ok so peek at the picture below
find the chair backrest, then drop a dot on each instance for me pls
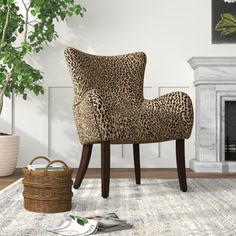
(119, 79)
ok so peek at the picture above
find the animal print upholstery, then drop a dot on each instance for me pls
(109, 103)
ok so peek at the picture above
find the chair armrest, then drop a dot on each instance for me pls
(178, 104)
(92, 118)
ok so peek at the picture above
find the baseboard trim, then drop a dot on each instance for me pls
(159, 173)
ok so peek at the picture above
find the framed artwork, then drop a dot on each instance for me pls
(223, 21)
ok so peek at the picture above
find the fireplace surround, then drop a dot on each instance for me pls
(215, 84)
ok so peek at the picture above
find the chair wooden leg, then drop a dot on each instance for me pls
(84, 162)
(137, 163)
(180, 157)
(105, 168)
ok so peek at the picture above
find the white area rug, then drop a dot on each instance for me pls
(156, 207)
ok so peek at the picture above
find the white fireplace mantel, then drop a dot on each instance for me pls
(215, 83)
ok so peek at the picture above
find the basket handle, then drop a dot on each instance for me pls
(39, 157)
(66, 168)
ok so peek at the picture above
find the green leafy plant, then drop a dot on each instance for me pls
(23, 31)
(227, 25)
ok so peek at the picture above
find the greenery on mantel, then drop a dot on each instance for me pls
(25, 28)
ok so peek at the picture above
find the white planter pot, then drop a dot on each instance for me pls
(9, 150)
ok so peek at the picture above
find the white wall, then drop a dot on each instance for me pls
(169, 32)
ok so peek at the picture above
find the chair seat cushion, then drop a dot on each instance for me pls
(145, 126)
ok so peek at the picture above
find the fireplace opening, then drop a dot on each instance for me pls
(230, 130)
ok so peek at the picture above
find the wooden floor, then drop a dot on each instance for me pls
(128, 173)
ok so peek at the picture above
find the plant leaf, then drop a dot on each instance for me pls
(227, 25)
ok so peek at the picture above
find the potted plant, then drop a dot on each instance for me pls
(25, 28)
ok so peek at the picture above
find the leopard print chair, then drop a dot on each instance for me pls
(109, 108)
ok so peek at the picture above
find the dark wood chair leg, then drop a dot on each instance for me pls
(137, 163)
(180, 157)
(105, 168)
(84, 162)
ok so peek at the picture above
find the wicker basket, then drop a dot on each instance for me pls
(47, 191)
